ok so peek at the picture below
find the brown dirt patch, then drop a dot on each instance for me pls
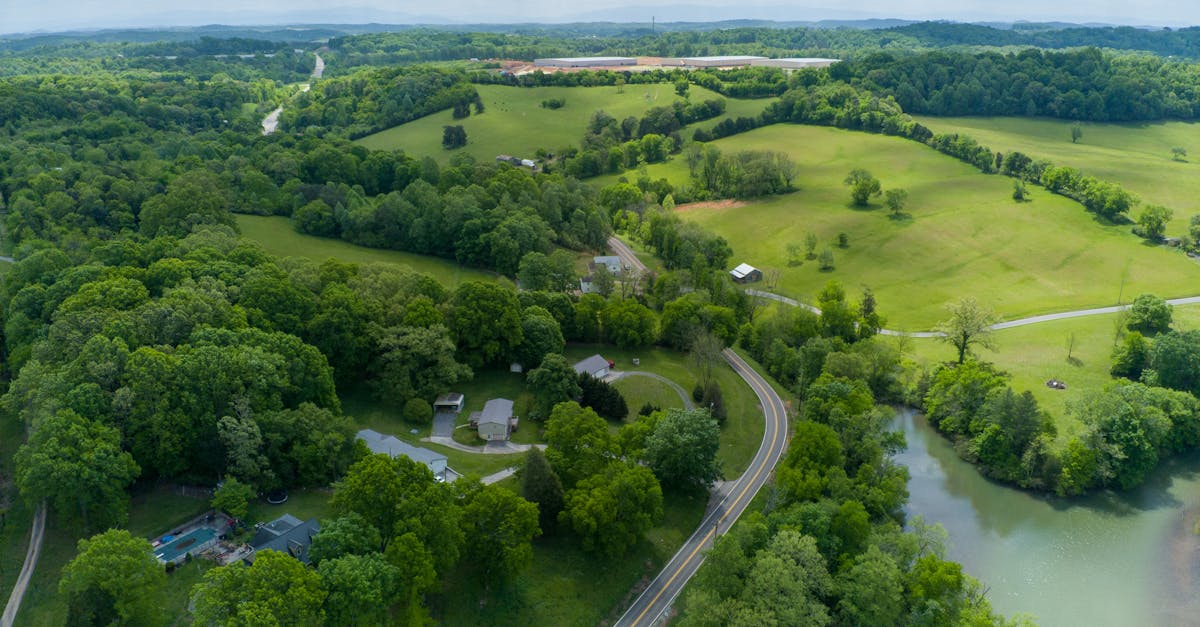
(710, 204)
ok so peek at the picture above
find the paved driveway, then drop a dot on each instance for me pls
(443, 424)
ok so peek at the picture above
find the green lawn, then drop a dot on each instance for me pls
(279, 238)
(566, 586)
(1138, 156)
(641, 390)
(514, 123)
(1036, 353)
(964, 235)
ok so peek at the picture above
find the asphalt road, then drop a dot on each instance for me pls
(658, 597)
(622, 250)
(31, 559)
(1020, 322)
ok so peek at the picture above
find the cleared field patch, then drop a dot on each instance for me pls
(639, 391)
(1138, 156)
(961, 235)
(514, 122)
(278, 237)
(1036, 353)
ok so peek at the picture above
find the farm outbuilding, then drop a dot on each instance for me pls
(795, 63)
(391, 446)
(745, 273)
(584, 61)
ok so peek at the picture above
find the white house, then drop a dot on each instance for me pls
(595, 365)
(612, 262)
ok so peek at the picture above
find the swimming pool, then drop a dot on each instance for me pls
(191, 542)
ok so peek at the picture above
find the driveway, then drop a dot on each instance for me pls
(443, 424)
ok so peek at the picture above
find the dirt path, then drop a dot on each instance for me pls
(710, 204)
(31, 559)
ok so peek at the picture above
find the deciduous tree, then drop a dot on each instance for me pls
(969, 325)
(682, 450)
(114, 579)
(611, 510)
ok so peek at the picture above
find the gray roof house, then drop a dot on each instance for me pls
(595, 365)
(496, 421)
(286, 534)
(612, 262)
(390, 445)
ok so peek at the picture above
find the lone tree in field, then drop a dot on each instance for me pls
(896, 199)
(862, 186)
(454, 137)
(1019, 191)
(1178, 154)
(969, 325)
(1076, 133)
(1152, 223)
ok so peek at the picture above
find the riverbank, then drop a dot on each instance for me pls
(1104, 560)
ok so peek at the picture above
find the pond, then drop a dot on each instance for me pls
(1107, 559)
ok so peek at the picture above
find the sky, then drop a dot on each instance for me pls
(48, 15)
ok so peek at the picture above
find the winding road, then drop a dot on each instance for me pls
(658, 597)
(271, 122)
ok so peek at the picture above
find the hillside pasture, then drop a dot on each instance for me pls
(278, 237)
(961, 233)
(1137, 156)
(514, 122)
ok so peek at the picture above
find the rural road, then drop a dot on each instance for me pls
(271, 122)
(31, 559)
(1020, 322)
(622, 250)
(661, 593)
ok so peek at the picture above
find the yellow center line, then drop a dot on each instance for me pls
(774, 438)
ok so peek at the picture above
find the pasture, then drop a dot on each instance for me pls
(514, 122)
(961, 233)
(1138, 156)
(278, 237)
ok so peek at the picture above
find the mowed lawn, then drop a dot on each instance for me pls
(278, 237)
(514, 122)
(1035, 353)
(963, 235)
(1138, 156)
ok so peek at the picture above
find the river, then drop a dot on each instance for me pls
(1103, 560)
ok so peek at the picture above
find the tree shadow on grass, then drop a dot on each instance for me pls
(903, 218)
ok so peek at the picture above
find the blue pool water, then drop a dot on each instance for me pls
(190, 541)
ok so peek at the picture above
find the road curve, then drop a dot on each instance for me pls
(1020, 322)
(658, 597)
(31, 558)
(271, 122)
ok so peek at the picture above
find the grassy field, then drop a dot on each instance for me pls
(514, 123)
(1138, 156)
(641, 390)
(279, 238)
(1036, 353)
(963, 235)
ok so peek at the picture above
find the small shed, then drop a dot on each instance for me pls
(390, 445)
(450, 401)
(496, 422)
(745, 273)
(612, 262)
(595, 365)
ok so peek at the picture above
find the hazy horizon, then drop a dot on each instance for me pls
(57, 15)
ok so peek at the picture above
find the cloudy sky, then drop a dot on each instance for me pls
(31, 15)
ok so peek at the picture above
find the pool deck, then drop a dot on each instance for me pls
(196, 536)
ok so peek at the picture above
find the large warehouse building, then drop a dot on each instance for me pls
(585, 62)
(794, 63)
(724, 61)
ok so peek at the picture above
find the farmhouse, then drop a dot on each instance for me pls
(389, 445)
(496, 422)
(584, 61)
(286, 534)
(795, 63)
(612, 262)
(595, 365)
(450, 401)
(745, 273)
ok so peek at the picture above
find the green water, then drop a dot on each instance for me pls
(1121, 560)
